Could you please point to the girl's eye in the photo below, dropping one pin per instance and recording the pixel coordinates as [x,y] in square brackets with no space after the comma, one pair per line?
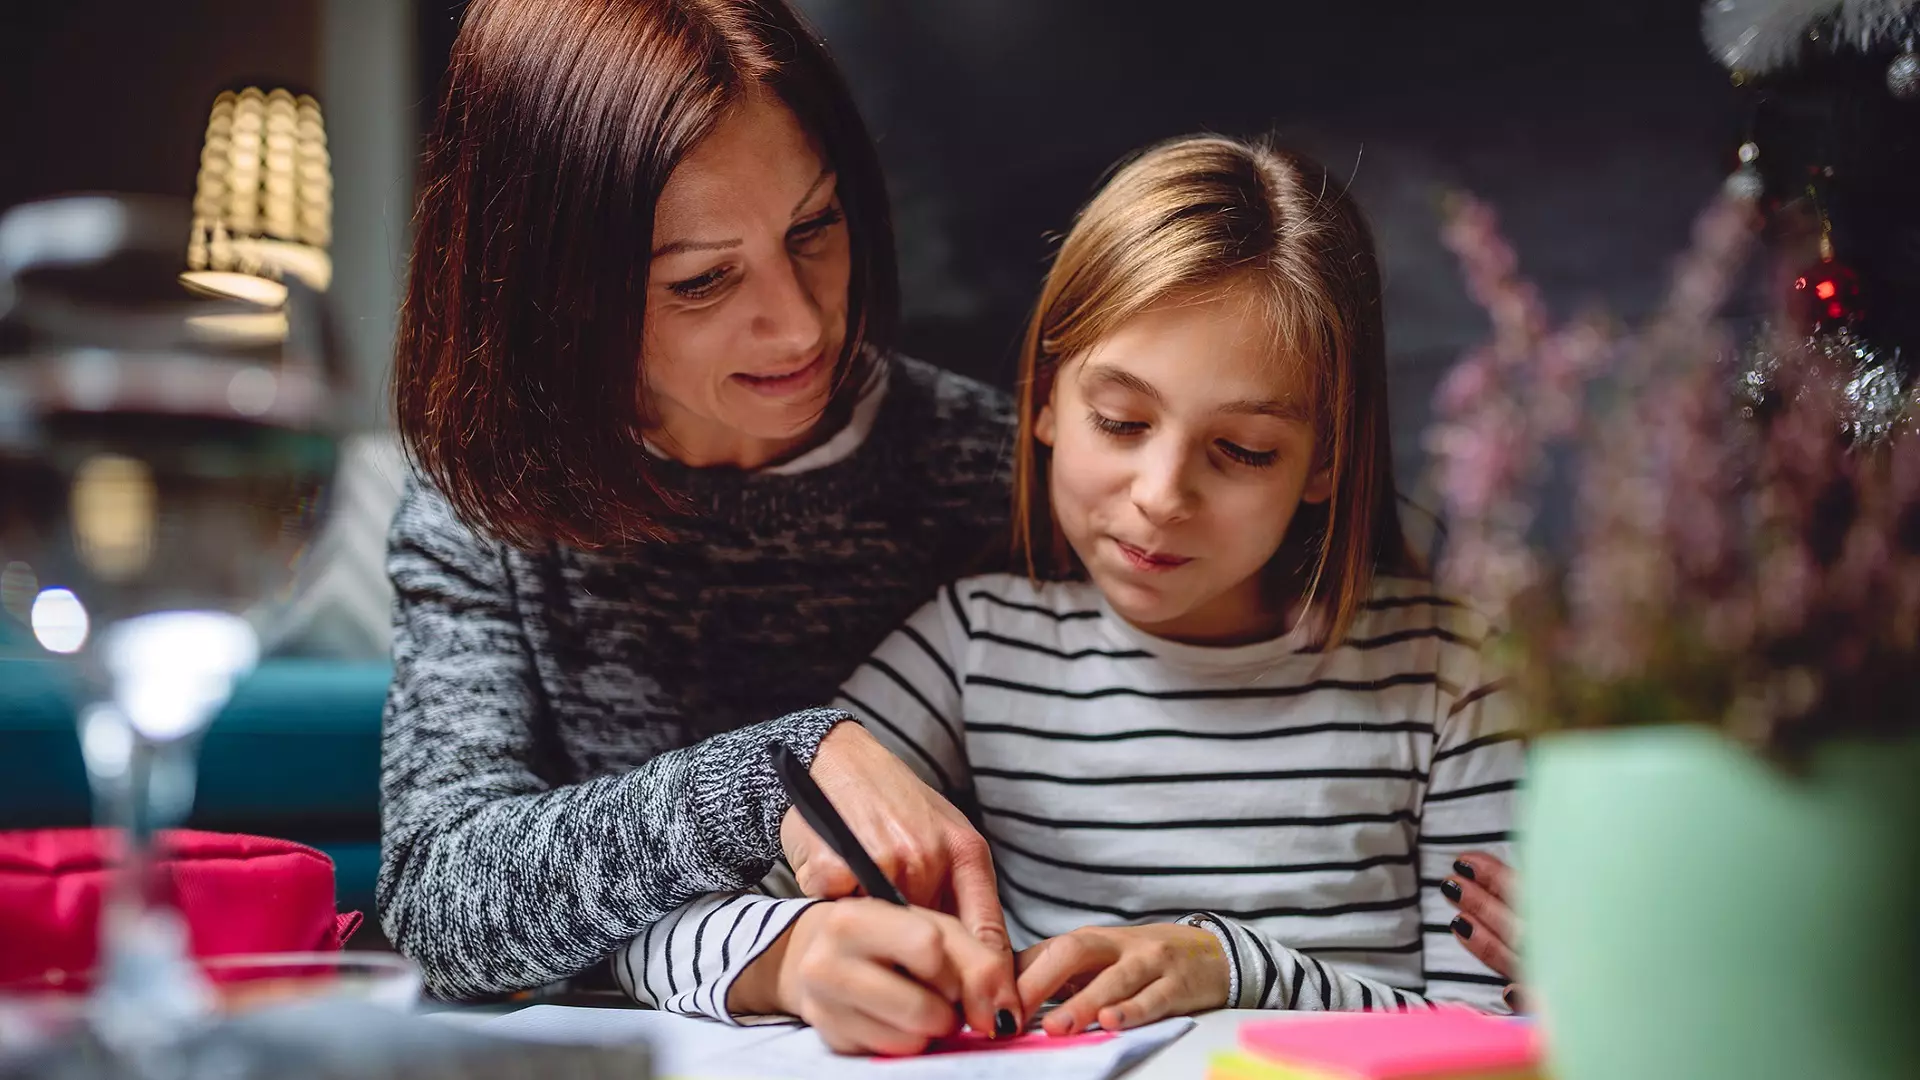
[1259,459]
[702,286]
[815,227]
[1115,427]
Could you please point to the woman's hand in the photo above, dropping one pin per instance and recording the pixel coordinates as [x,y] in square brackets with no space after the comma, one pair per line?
[926,847]
[1486,890]
[874,977]
[1124,976]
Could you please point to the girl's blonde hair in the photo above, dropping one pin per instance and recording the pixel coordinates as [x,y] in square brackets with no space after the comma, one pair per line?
[1205,214]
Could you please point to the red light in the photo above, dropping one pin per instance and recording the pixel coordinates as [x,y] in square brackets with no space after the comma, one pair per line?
[1834,310]
[1825,290]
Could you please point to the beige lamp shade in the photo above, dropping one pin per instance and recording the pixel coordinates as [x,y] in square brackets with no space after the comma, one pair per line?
[263,202]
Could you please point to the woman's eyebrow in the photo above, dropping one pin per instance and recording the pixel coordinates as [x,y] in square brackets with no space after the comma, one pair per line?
[678,247]
[826,173]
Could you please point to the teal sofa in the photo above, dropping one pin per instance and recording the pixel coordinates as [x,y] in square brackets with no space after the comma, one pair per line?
[295,754]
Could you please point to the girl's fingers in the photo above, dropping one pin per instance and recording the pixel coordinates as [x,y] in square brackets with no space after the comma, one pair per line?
[1481,907]
[1490,874]
[888,934]
[1048,966]
[1117,983]
[891,998]
[849,1030]
[1485,944]
[1155,1001]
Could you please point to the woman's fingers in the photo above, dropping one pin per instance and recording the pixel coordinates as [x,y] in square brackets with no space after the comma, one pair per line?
[975,890]
[1490,874]
[1487,946]
[988,994]
[1481,907]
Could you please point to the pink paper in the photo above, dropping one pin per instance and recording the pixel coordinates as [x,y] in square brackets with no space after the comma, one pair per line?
[968,1041]
[1380,1046]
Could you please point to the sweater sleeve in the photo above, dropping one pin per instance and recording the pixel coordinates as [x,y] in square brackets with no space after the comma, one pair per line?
[493,878]
[908,694]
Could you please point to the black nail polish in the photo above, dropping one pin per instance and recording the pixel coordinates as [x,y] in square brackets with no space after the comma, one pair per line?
[1514,998]
[1003,1024]
[1461,926]
[1463,868]
[1451,890]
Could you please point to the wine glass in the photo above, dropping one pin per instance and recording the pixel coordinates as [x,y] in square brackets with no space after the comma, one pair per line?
[164,459]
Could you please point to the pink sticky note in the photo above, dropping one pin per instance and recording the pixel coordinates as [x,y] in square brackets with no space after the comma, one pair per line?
[1392,1046]
[968,1041]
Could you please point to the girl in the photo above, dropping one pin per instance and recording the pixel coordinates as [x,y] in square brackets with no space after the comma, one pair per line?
[1225,744]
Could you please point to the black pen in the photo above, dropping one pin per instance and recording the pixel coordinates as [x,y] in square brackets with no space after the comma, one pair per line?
[825,820]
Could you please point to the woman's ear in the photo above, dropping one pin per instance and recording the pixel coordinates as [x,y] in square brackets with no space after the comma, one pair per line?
[1043,425]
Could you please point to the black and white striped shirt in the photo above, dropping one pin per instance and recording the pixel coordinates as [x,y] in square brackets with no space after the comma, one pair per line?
[1302,805]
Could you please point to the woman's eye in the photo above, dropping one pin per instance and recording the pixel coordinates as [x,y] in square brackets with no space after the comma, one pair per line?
[815,227]
[702,285]
[1115,427]
[1259,459]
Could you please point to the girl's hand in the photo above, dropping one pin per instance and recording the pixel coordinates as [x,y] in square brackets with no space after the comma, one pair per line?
[1486,890]
[874,977]
[1124,976]
[925,846]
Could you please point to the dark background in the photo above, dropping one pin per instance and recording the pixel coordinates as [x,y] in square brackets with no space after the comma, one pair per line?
[1597,131]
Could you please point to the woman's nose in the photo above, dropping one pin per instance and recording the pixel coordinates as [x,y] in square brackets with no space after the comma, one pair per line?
[790,315]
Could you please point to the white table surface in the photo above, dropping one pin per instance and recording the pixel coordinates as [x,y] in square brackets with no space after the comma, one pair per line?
[1186,1058]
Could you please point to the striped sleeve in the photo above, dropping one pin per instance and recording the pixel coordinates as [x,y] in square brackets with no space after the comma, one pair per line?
[1264,974]
[688,962]
[908,693]
[1468,806]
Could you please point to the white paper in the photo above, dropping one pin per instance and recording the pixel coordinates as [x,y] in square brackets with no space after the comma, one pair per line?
[680,1045]
[691,1048]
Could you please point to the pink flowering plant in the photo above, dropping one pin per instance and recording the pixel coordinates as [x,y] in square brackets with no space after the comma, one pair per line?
[1754,568]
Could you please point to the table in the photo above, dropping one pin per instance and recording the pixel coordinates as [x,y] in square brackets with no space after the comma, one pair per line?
[1185,1059]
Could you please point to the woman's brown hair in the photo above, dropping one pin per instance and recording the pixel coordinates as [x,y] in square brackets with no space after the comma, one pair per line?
[517,388]
[1201,215]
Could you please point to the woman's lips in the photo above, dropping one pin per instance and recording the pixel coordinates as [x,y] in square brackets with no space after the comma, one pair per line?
[779,384]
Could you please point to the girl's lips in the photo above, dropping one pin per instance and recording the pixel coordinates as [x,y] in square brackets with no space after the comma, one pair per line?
[1141,559]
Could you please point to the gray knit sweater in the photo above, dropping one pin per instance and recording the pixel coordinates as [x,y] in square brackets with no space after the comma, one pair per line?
[575,743]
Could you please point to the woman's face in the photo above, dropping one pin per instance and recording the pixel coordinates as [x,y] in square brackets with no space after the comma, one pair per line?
[747,292]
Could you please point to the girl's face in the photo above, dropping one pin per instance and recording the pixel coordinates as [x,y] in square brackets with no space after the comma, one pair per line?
[1181,449]
[747,292]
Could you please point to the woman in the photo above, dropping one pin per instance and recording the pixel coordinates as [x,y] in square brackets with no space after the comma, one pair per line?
[674,489]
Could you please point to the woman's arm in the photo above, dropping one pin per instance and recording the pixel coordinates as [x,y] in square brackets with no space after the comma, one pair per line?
[492,877]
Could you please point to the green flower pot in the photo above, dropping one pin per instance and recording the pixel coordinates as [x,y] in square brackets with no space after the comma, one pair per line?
[1694,912]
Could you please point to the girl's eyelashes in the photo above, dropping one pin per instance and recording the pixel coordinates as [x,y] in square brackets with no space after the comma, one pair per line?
[1258,459]
[1110,426]
[701,286]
